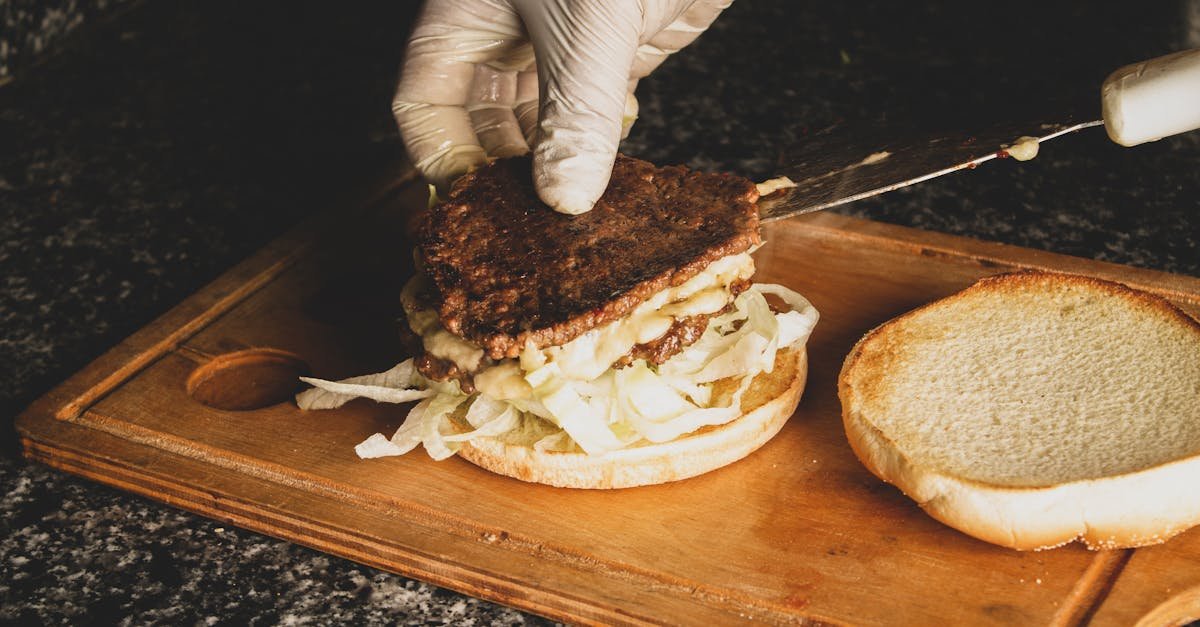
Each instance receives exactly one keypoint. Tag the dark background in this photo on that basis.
(30, 30)
(152, 148)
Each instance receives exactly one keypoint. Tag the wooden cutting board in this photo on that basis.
(796, 532)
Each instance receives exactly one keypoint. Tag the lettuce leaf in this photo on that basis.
(612, 411)
(401, 384)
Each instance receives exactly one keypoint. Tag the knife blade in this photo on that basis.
(836, 167)
(1139, 103)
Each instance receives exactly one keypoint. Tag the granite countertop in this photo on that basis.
(160, 149)
(30, 29)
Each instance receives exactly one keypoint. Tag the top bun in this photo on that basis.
(1034, 409)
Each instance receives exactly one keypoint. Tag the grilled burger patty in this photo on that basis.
(682, 333)
(508, 269)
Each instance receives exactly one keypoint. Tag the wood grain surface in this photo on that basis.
(797, 532)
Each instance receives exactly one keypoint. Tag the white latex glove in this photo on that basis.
(475, 68)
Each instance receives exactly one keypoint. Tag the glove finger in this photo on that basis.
(584, 53)
(440, 140)
(676, 35)
(631, 111)
(526, 107)
(450, 38)
(490, 105)
(498, 132)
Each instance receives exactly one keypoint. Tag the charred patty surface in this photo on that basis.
(509, 269)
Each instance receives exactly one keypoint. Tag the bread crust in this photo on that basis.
(770, 401)
(1127, 510)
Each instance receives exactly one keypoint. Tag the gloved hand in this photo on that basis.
(475, 68)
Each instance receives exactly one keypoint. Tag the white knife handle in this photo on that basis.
(1153, 99)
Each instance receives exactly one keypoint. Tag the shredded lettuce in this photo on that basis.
(658, 412)
(399, 385)
(379, 445)
(614, 410)
(585, 422)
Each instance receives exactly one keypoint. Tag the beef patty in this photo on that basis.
(682, 333)
(508, 269)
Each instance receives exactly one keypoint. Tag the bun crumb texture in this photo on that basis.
(1033, 409)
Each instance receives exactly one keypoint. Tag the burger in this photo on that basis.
(624, 346)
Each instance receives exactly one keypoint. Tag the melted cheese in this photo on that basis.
(770, 186)
(1024, 149)
(589, 355)
(437, 340)
(503, 381)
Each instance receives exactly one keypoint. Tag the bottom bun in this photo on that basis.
(766, 406)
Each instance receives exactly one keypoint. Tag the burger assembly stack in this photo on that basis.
(628, 346)
(624, 346)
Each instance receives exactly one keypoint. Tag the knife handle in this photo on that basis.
(1153, 99)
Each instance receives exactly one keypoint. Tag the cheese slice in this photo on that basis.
(589, 355)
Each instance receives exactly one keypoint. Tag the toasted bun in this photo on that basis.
(1034, 409)
(768, 404)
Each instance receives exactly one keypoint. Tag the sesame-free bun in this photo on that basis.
(766, 406)
(1034, 409)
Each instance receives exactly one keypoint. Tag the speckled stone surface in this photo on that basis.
(29, 28)
(77, 553)
(163, 149)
